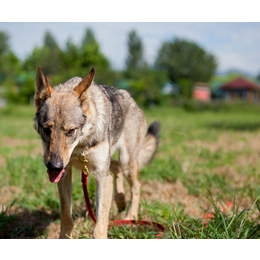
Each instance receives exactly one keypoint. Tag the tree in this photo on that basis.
(49, 57)
(9, 63)
(143, 82)
(90, 52)
(258, 77)
(146, 90)
(49, 41)
(89, 38)
(186, 60)
(135, 61)
(4, 45)
(71, 58)
(91, 56)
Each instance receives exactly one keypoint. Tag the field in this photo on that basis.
(205, 160)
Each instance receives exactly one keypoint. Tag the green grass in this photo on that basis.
(204, 158)
(232, 225)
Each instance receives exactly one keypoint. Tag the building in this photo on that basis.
(201, 92)
(241, 89)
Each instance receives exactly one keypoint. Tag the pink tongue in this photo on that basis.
(54, 177)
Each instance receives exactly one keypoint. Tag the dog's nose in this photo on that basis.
(55, 164)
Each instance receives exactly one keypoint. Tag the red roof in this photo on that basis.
(240, 83)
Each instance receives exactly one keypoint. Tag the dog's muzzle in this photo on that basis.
(56, 170)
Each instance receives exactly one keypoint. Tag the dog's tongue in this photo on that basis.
(54, 177)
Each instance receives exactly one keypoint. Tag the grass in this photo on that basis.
(221, 225)
(204, 159)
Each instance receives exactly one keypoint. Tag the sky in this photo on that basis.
(236, 45)
(235, 42)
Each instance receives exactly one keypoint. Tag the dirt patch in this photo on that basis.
(8, 194)
(2, 161)
(21, 149)
(246, 160)
(54, 231)
(226, 142)
(36, 152)
(12, 142)
(237, 179)
(175, 193)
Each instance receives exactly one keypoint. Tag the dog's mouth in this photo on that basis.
(55, 177)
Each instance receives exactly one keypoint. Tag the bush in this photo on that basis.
(196, 106)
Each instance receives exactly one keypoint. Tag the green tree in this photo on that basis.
(258, 77)
(146, 90)
(9, 63)
(74, 60)
(71, 58)
(91, 56)
(10, 68)
(49, 41)
(185, 60)
(4, 45)
(89, 38)
(144, 83)
(135, 61)
(49, 57)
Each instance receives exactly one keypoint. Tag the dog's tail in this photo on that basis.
(150, 144)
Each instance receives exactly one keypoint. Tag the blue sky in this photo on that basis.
(236, 45)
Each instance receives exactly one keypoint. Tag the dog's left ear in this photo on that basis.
(84, 84)
(43, 89)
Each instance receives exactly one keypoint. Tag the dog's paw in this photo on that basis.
(99, 235)
(64, 236)
(131, 216)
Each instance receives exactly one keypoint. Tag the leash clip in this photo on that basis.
(83, 158)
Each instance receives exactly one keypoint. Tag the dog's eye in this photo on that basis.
(46, 130)
(71, 132)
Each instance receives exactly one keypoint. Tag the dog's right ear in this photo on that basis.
(43, 89)
(84, 84)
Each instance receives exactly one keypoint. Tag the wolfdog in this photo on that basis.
(81, 116)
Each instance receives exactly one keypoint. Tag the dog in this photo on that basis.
(81, 116)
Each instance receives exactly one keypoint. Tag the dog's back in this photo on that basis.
(128, 119)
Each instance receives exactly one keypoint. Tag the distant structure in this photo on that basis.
(241, 89)
(201, 92)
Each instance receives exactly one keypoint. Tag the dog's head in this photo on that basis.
(59, 120)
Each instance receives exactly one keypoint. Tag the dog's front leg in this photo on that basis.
(64, 187)
(104, 191)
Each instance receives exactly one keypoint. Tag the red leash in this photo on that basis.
(84, 181)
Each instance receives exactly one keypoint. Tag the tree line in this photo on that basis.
(178, 61)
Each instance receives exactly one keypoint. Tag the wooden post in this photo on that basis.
(250, 96)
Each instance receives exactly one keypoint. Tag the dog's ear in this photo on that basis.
(84, 84)
(43, 89)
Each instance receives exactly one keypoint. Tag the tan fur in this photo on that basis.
(103, 119)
